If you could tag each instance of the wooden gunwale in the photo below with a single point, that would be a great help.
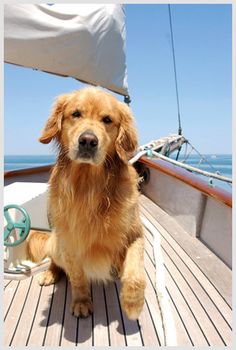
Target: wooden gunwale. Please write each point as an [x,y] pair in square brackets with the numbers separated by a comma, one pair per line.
[189,179]
[28,171]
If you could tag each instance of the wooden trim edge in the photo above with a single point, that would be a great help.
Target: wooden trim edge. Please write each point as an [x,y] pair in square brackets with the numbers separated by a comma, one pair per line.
[189,178]
[28,171]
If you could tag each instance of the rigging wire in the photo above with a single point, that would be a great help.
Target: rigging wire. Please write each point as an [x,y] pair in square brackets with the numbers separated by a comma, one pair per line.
[203,158]
[175,72]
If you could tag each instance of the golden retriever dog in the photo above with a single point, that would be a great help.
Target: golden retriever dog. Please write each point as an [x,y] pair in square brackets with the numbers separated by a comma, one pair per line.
[93,200]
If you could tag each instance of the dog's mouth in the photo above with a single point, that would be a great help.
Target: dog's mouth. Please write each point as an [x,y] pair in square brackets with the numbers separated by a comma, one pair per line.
[86,156]
[87,149]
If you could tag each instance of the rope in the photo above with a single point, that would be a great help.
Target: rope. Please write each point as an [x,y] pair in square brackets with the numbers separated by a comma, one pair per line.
[176,85]
[149,152]
[137,156]
[196,170]
[207,162]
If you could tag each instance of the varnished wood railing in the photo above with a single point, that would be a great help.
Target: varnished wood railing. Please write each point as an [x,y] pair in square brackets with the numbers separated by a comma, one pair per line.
[189,178]
[28,171]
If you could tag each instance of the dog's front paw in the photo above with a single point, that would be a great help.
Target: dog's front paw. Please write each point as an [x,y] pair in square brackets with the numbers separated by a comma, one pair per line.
[48,277]
[81,308]
[132,297]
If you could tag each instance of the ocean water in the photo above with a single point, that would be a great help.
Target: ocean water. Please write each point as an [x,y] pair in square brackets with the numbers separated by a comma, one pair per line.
[219,162]
[15,162]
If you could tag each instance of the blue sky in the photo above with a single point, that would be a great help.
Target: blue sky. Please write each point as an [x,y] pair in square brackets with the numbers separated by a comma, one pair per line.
[202,36]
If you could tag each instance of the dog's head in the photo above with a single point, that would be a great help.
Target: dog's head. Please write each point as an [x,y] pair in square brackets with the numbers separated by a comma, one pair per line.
[91,125]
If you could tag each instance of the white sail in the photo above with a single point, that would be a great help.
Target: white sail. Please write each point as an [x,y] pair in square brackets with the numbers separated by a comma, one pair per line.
[83,41]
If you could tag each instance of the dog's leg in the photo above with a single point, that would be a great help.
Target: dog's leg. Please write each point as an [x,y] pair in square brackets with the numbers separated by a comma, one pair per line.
[37,248]
[50,276]
[133,280]
[81,304]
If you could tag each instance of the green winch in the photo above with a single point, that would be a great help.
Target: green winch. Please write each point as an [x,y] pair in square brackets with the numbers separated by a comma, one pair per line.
[22,227]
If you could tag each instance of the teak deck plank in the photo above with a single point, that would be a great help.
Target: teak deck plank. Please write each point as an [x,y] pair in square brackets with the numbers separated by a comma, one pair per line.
[193,334]
[14,314]
[42,312]
[149,333]
[207,261]
[100,324]
[9,295]
[200,306]
[200,296]
[182,335]
[153,306]
[22,333]
[212,304]
[55,321]
[132,329]
[85,331]
[181,330]
[69,329]
[196,308]
[6,282]
[211,308]
[179,305]
[205,282]
[116,328]
[187,317]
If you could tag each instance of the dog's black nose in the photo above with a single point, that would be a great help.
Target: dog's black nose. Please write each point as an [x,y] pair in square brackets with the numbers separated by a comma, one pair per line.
[88,141]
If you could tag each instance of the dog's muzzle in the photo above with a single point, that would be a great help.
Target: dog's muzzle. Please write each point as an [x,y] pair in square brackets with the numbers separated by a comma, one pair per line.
[88,144]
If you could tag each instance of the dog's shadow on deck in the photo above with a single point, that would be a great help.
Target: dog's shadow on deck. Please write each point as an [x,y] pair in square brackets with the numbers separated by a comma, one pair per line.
[107,322]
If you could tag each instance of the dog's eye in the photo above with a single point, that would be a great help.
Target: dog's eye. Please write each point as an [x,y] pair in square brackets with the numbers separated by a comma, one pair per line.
[107,119]
[76,114]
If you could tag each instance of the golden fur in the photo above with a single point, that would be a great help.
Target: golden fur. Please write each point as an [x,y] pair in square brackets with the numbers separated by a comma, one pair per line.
[93,201]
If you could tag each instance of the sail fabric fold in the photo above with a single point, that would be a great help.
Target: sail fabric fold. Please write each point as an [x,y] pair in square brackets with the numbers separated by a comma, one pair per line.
[83,41]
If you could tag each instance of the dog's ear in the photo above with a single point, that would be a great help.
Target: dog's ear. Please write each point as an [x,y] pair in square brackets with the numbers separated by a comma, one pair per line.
[53,125]
[126,142]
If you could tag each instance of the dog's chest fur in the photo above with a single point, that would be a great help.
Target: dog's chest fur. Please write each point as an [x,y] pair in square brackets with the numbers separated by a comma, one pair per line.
[92,222]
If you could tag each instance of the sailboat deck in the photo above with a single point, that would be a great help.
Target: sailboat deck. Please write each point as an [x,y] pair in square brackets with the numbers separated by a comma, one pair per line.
[198,284]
